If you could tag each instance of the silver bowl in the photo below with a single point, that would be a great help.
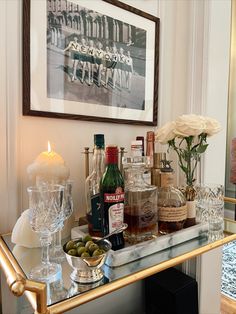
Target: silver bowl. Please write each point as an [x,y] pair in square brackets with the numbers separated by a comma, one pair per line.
[88,269]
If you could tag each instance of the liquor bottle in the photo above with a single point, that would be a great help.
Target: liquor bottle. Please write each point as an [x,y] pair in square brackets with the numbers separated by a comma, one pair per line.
[150,139]
[156,170]
[172,209]
[92,187]
[136,148]
[141,138]
[140,202]
[112,198]
[150,143]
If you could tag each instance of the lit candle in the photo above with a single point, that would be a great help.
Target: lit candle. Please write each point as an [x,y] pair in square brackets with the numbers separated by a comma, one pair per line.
[48,166]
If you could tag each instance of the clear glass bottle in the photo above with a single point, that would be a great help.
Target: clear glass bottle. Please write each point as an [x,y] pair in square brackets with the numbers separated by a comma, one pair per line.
[172,209]
[140,202]
[92,187]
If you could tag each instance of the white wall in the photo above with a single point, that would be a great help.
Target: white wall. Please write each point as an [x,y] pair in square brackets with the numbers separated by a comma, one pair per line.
[27,136]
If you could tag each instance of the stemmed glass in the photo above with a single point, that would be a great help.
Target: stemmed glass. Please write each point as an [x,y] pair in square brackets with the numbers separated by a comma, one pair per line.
[56,253]
[45,216]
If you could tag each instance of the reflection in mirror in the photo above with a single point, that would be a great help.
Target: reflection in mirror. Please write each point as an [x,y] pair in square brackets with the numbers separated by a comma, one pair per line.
[230,177]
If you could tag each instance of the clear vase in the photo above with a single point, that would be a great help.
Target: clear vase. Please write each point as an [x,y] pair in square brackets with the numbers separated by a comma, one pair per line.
[190,195]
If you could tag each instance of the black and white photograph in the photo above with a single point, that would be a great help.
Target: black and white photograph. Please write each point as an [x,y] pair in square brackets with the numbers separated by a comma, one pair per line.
[93,57]
[96,61]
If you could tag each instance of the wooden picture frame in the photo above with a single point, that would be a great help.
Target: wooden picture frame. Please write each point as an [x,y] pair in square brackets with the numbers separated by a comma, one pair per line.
[63,76]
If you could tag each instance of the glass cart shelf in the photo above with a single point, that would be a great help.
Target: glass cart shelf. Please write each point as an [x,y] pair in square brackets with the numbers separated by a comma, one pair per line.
[64,295]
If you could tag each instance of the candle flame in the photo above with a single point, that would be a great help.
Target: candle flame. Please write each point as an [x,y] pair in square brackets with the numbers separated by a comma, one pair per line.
[49,147]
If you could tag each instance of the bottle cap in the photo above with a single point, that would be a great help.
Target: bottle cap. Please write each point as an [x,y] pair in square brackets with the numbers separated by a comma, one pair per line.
[166,167]
[150,136]
[158,157]
[111,154]
[141,138]
[99,140]
[136,143]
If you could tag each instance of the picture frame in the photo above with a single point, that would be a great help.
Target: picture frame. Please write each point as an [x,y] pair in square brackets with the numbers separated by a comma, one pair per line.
[83,60]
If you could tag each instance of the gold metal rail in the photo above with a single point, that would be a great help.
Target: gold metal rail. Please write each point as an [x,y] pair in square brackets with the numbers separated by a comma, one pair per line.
[18,284]
[230,200]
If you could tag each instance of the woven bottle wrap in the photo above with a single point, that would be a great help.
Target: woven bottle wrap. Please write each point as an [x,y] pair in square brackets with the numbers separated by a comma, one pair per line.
[191,209]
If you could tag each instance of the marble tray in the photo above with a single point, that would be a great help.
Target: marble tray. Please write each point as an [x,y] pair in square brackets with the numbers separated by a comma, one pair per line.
[134,252]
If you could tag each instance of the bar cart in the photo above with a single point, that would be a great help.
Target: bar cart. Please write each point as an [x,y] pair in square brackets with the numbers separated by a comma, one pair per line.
[16,270]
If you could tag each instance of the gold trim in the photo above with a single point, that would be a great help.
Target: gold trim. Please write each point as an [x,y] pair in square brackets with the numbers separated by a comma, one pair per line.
[18,284]
[230,200]
[119,283]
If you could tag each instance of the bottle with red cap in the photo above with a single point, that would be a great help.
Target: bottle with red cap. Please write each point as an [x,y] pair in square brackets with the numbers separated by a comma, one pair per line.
[112,198]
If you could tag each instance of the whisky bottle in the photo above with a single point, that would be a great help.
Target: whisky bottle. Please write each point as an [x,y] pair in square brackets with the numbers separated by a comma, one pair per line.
[172,210]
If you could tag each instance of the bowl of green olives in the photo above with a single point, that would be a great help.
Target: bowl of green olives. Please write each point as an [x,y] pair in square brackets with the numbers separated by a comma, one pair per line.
[86,256]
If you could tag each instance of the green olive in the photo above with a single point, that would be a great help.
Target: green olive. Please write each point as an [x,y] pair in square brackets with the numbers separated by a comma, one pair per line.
[81,250]
[72,252]
[79,244]
[87,245]
[85,254]
[87,238]
[93,247]
[70,245]
[98,252]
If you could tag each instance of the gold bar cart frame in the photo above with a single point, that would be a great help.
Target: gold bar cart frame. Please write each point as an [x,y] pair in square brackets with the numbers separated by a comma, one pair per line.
[37,294]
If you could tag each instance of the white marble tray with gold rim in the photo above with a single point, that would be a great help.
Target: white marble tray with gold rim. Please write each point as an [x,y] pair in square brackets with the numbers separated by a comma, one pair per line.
[132,253]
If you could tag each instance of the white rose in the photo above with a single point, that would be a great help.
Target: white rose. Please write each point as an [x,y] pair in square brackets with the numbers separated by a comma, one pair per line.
[166,133]
[212,126]
[189,125]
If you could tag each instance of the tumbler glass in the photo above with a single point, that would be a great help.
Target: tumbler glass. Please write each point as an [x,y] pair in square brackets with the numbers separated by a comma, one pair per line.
[45,216]
[210,208]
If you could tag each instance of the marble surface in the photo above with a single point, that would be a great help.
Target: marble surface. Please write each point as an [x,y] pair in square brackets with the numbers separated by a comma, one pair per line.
[143,249]
[228,285]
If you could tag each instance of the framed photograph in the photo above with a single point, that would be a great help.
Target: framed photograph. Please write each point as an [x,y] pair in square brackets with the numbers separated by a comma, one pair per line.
[91,60]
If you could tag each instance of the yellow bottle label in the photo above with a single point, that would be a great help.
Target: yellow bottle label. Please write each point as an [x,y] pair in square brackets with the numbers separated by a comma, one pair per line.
[172,214]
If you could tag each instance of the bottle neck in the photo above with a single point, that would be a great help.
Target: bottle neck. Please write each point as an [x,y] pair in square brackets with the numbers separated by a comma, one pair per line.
[98,160]
[135,176]
[150,148]
[167,179]
[112,166]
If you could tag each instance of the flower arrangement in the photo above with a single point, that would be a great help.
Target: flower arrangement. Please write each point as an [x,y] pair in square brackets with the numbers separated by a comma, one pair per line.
[187,136]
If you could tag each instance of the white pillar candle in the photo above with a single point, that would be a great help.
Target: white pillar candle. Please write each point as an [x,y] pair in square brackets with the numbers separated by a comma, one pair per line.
[48,166]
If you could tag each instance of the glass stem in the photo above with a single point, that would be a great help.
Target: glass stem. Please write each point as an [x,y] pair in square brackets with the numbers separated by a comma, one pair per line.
[58,239]
[45,243]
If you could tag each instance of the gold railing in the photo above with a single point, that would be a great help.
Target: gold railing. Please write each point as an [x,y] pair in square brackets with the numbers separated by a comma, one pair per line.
[18,284]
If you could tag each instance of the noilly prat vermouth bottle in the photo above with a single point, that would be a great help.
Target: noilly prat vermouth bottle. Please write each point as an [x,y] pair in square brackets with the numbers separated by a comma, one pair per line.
[112,198]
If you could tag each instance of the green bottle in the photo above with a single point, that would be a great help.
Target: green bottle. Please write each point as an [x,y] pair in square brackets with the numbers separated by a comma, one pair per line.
[92,187]
[112,198]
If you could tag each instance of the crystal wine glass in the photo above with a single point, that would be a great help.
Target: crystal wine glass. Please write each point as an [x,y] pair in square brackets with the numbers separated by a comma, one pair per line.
[57,254]
[45,216]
